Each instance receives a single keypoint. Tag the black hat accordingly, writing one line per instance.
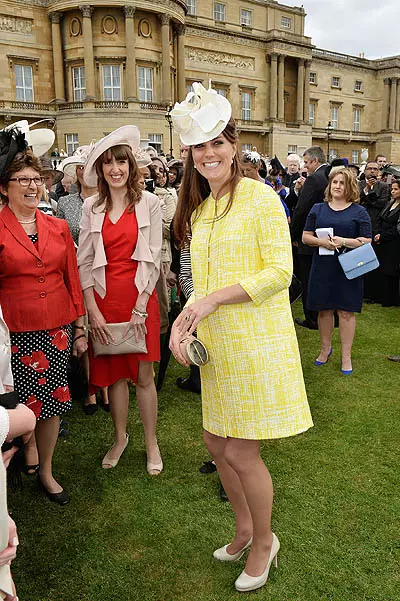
(336, 163)
(277, 165)
(20, 135)
(12, 141)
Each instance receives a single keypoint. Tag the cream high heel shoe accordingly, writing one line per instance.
(107, 462)
(223, 555)
(155, 469)
(250, 583)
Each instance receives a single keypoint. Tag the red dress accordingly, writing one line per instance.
(119, 241)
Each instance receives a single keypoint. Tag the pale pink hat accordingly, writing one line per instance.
(127, 135)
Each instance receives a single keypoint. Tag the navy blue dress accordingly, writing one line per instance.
(328, 286)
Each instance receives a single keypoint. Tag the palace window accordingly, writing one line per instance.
(71, 143)
(79, 83)
(292, 149)
(191, 4)
(335, 117)
(246, 106)
(145, 84)
(156, 140)
(222, 92)
(335, 82)
(219, 12)
(311, 113)
(313, 78)
(111, 82)
(23, 83)
(355, 156)
(286, 22)
(358, 86)
(246, 148)
(246, 17)
(356, 119)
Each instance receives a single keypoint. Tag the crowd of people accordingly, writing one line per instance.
(222, 231)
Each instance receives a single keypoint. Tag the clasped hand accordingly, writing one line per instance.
(137, 324)
(186, 323)
(332, 243)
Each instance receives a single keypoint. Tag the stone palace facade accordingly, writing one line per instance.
(94, 66)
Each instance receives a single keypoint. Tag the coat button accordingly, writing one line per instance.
(42, 294)
(39, 264)
(41, 279)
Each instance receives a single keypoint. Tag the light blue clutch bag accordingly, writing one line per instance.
(358, 261)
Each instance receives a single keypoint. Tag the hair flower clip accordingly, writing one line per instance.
(202, 116)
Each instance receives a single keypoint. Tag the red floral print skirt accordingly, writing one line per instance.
(39, 364)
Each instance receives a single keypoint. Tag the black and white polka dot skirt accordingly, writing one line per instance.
(39, 364)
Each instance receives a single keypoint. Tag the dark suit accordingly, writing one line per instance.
(313, 191)
(374, 201)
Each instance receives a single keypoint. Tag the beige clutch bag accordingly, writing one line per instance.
(122, 345)
(194, 351)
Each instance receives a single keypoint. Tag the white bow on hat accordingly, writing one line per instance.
(202, 116)
(40, 140)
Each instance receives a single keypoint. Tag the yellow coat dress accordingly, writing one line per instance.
(252, 386)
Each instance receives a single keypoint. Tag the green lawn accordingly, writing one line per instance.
(128, 537)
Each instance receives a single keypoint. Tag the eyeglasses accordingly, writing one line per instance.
(26, 181)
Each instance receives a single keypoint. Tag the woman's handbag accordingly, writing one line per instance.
(121, 345)
(358, 261)
(194, 351)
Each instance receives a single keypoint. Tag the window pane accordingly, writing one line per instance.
(145, 84)
(23, 83)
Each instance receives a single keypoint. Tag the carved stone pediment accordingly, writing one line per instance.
(199, 55)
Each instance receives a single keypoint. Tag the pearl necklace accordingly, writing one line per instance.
(26, 222)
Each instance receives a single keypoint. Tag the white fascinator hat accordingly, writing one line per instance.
(202, 116)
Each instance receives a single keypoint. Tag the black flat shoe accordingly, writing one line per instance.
(304, 323)
(188, 384)
(30, 470)
(90, 409)
(61, 498)
(208, 467)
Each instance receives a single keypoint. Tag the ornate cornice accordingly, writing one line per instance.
(228, 36)
(165, 19)
(55, 17)
(129, 11)
(224, 59)
(86, 10)
(12, 24)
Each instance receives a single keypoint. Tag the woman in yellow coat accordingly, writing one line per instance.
(252, 386)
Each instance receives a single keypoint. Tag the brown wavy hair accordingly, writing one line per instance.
(195, 189)
(120, 153)
(351, 190)
(19, 162)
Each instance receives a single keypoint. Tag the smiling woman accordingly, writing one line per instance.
(241, 262)
(41, 298)
(119, 262)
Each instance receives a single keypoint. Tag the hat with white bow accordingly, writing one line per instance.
(202, 116)
(19, 136)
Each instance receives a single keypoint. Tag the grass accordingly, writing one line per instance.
(128, 537)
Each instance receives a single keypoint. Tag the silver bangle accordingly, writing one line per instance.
(139, 313)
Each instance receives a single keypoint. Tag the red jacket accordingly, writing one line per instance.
(39, 289)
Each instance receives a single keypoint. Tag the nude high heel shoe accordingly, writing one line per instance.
(223, 555)
(107, 462)
(251, 583)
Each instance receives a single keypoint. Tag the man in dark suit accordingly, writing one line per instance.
(310, 190)
(374, 194)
